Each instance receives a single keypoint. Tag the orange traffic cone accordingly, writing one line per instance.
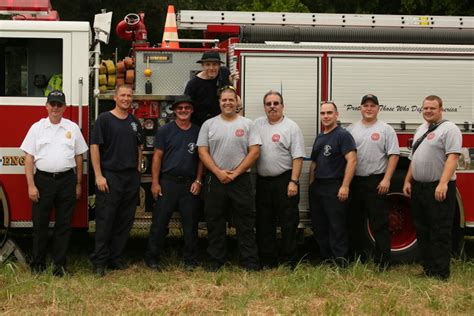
(171, 30)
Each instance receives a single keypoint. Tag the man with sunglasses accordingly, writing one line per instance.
(279, 169)
(204, 87)
(54, 147)
(176, 183)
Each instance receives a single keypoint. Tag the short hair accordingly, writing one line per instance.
(127, 86)
(273, 92)
(227, 89)
(330, 102)
(434, 98)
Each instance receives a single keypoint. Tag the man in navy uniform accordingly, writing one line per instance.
(176, 183)
(333, 164)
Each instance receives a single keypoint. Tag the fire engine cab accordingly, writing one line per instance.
(308, 57)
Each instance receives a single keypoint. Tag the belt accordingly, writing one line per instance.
(172, 177)
(54, 175)
(378, 175)
(270, 178)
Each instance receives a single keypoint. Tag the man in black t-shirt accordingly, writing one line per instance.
(176, 183)
(204, 87)
(333, 163)
(116, 155)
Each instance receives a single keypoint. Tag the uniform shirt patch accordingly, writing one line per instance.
(327, 150)
(68, 135)
(375, 136)
(275, 138)
(192, 148)
(239, 132)
(430, 136)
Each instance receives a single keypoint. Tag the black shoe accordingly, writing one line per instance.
(190, 266)
(59, 271)
(99, 271)
(383, 266)
(38, 268)
(252, 267)
(152, 264)
(214, 267)
(341, 262)
(117, 265)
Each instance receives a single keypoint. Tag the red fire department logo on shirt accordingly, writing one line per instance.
(239, 133)
(275, 138)
(430, 135)
(375, 136)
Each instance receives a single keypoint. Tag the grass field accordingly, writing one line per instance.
(310, 289)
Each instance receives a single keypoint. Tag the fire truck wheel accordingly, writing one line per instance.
(458, 233)
(401, 226)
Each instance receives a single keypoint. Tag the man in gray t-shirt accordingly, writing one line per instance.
(228, 146)
(279, 168)
(377, 158)
(430, 181)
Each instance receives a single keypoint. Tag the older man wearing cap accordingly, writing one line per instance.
(204, 87)
(54, 146)
(377, 158)
(176, 183)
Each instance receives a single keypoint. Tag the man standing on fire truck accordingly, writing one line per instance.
(333, 164)
(279, 169)
(204, 87)
(430, 181)
(116, 155)
(228, 146)
(176, 183)
(54, 146)
(377, 158)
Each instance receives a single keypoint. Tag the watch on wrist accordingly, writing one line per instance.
(297, 182)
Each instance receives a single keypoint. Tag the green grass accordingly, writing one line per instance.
(309, 289)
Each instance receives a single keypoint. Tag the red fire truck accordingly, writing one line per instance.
(308, 57)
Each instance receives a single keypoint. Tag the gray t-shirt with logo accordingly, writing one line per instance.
(375, 143)
(228, 141)
(428, 161)
(281, 143)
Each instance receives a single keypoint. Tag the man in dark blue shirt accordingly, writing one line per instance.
(333, 163)
(116, 156)
(176, 183)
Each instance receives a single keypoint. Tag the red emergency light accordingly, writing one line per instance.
(29, 10)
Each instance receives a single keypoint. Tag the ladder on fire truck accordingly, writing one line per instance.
(199, 20)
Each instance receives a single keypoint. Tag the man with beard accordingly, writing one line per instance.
(228, 146)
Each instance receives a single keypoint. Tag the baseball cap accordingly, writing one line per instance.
(370, 97)
(182, 99)
(56, 96)
(210, 55)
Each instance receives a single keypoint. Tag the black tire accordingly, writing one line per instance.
(404, 244)
(458, 241)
